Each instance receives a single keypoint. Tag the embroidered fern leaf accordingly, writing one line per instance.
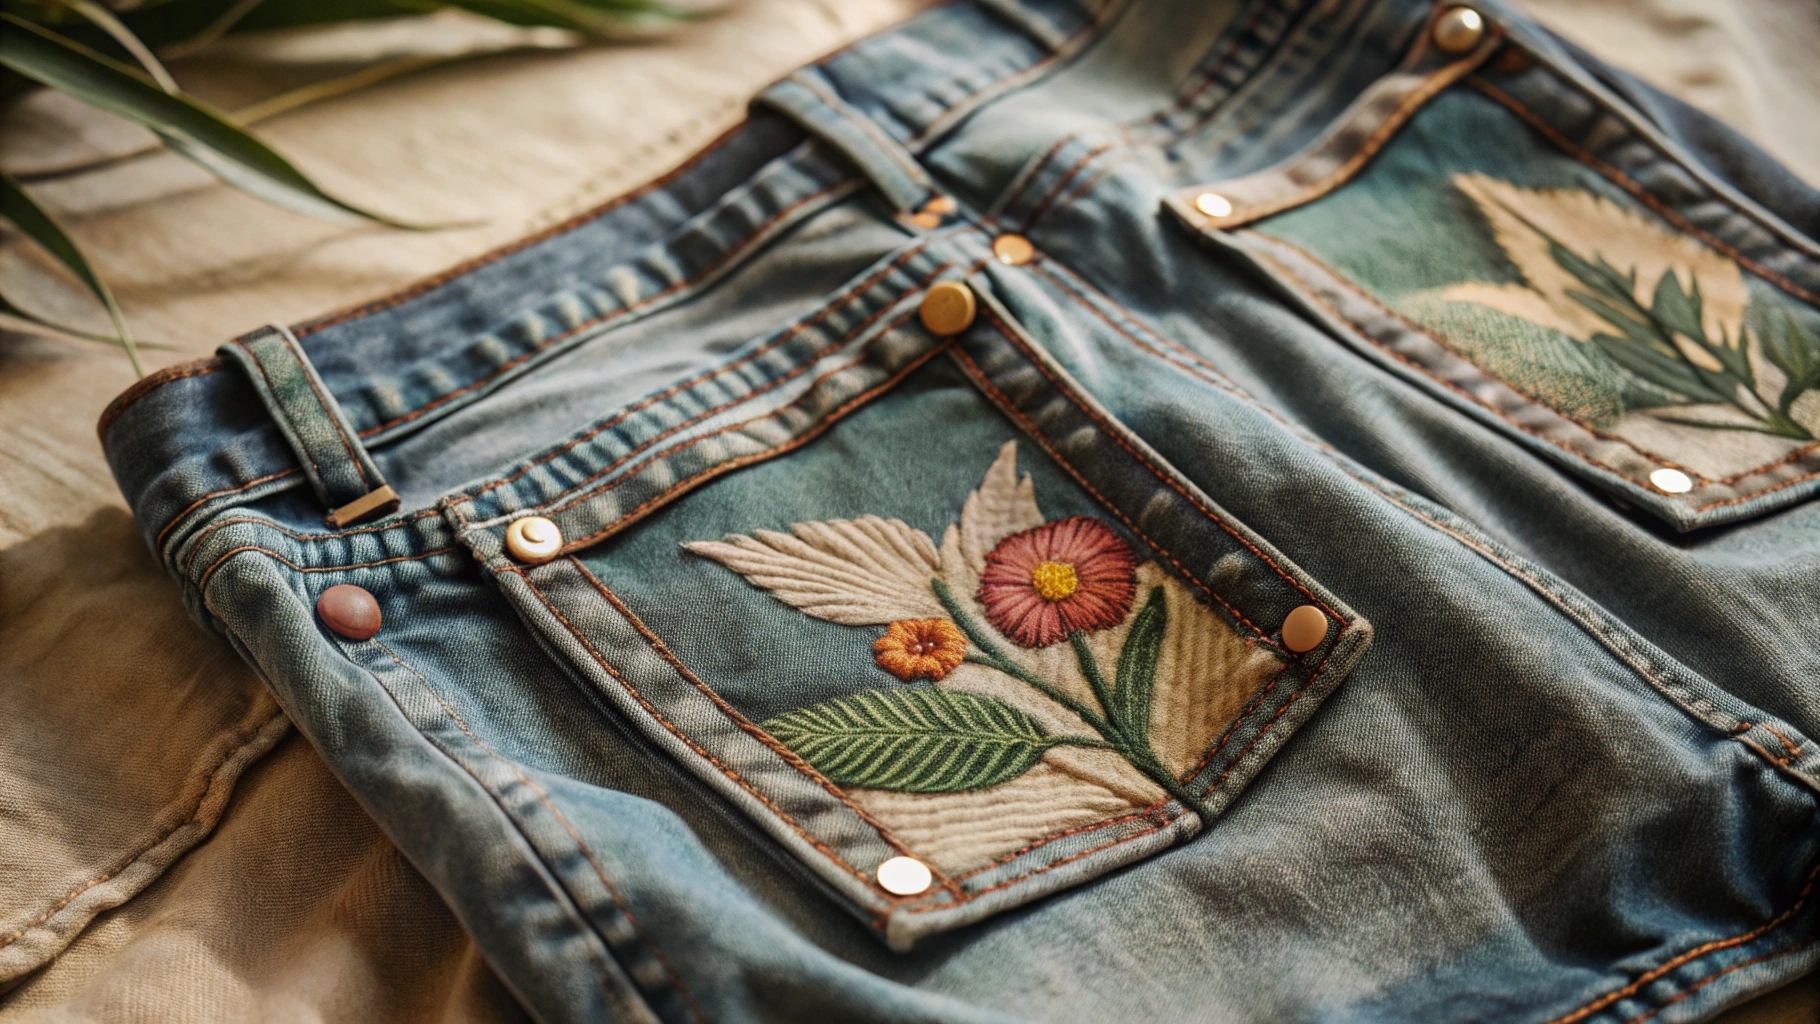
(915, 740)
(1131, 693)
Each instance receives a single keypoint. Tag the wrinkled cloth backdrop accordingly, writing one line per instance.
(169, 849)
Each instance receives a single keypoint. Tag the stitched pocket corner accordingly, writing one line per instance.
(957, 645)
(1541, 259)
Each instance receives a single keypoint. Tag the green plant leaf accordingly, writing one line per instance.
(185, 125)
(1136, 682)
(605, 19)
(1670, 374)
(921, 740)
(1678, 310)
(24, 213)
(104, 19)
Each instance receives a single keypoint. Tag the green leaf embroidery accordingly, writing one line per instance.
(1136, 681)
(915, 740)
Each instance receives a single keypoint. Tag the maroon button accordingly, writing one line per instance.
(349, 610)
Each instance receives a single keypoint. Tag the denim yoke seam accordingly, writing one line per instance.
(1606, 640)
(1157, 120)
(829, 307)
(543, 798)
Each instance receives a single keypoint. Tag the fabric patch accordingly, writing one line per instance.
(1052, 679)
(1605, 315)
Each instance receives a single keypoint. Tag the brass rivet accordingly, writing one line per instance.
(533, 539)
(349, 610)
(941, 204)
(1213, 204)
(1014, 250)
(926, 220)
(948, 308)
(904, 876)
(1304, 629)
(1671, 481)
(1459, 29)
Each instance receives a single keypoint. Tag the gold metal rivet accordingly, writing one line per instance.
(926, 220)
(533, 539)
(904, 876)
(948, 308)
(1014, 250)
(1671, 481)
(1213, 204)
(941, 204)
(1459, 29)
(1304, 629)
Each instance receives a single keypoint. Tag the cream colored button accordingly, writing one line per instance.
(1014, 250)
(1671, 481)
(1459, 30)
(904, 876)
(533, 539)
(1304, 629)
(1213, 204)
(948, 308)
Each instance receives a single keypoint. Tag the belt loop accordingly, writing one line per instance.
(339, 468)
(809, 99)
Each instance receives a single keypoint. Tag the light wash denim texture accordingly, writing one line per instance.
(1553, 764)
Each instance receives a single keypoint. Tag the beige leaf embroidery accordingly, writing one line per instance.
(1003, 504)
(1521, 218)
(868, 571)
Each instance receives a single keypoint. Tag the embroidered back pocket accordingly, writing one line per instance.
(916, 605)
(1498, 229)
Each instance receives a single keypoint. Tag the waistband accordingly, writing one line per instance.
(1221, 88)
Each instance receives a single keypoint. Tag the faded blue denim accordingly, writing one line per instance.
(1569, 779)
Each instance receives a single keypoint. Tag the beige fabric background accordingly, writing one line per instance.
(169, 851)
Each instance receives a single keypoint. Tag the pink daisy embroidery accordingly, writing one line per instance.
(1043, 583)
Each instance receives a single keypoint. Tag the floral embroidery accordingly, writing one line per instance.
(1044, 583)
(1040, 651)
(920, 649)
(1672, 323)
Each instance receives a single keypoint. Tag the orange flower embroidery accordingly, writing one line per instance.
(920, 648)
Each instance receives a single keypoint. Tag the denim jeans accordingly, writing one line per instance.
(1267, 510)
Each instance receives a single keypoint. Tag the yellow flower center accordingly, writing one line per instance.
(1055, 581)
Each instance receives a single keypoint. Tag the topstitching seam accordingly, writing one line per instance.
(544, 798)
(1169, 482)
(1630, 185)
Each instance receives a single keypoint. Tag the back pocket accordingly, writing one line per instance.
(934, 621)
(1505, 232)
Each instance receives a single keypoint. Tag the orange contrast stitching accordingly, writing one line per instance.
(745, 460)
(724, 258)
(203, 583)
(651, 710)
(1051, 866)
(1172, 484)
(580, 844)
(1709, 979)
(1004, 401)
(212, 495)
(152, 382)
(1646, 977)
(828, 310)
(1628, 184)
(196, 545)
(1039, 843)
(745, 724)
